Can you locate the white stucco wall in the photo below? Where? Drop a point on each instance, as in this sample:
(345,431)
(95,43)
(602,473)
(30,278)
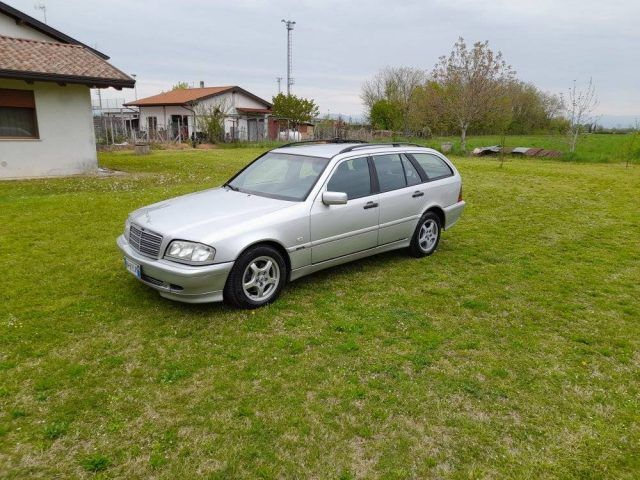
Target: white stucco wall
(233,101)
(163,114)
(65,125)
(242,101)
(10,28)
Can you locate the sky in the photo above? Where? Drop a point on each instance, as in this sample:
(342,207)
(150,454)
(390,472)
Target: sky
(337,45)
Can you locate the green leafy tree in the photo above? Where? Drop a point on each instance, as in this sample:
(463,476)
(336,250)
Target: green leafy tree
(426,114)
(386,115)
(533,110)
(296,109)
(474,85)
(210,120)
(396,85)
(180,86)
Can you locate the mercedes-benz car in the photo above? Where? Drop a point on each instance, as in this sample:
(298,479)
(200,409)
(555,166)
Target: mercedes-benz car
(293,211)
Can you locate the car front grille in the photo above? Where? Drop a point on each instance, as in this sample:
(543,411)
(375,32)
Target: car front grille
(144,241)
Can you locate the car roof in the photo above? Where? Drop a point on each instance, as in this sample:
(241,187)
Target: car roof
(329,150)
(326,150)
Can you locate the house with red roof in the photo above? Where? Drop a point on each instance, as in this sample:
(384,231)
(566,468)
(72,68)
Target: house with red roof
(46,123)
(174,115)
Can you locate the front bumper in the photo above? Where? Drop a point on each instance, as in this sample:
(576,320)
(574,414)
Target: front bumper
(184,283)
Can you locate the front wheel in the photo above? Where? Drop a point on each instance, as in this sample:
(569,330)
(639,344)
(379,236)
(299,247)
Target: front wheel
(256,278)
(426,236)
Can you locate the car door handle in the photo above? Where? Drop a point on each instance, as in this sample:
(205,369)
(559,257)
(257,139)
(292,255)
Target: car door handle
(417,193)
(370,205)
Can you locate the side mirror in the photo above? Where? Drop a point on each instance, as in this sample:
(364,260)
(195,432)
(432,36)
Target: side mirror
(334,198)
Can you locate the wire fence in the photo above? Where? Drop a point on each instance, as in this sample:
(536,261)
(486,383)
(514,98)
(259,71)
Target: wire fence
(116,124)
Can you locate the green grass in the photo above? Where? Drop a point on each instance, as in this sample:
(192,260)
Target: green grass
(512,352)
(593,148)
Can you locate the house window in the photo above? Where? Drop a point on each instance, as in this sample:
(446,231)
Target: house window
(17,114)
(152,124)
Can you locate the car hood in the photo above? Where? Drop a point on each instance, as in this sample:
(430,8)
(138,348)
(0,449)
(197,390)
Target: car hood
(197,215)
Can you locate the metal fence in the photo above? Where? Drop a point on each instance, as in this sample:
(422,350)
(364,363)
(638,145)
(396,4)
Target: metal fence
(115,124)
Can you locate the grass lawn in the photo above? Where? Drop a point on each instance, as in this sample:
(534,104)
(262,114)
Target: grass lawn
(514,351)
(592,148)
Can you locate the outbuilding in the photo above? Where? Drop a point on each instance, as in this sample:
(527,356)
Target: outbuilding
(46,123)
(171,116)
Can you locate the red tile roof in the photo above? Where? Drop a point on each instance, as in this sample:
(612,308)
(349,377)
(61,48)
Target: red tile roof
(180,96)
(57,62)
(56,35)
(186,95)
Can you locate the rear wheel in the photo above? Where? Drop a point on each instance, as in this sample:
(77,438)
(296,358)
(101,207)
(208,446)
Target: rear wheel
(256,278)
(426,236)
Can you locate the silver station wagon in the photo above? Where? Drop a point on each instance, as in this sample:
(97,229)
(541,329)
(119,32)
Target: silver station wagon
(293,211)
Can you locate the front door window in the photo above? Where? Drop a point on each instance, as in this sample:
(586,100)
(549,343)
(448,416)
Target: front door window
(351,177)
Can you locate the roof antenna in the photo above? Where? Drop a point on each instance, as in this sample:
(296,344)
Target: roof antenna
(43,7)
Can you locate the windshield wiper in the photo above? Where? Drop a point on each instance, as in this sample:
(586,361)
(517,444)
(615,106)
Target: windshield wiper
(231,187)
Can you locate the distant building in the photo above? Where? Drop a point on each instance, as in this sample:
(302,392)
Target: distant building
(46,125)
(284,129)
(172,115)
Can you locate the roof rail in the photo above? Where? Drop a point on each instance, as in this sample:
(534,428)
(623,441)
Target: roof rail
(330,140)
(367,145)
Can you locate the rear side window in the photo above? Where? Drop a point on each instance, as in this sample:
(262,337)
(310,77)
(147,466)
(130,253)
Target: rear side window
(433,166)
(390,172)
(351,177)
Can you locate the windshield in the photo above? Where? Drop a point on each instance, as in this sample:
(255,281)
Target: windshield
(280,175)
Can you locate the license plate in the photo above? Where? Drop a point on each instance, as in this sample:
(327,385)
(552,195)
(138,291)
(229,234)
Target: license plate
(133,267)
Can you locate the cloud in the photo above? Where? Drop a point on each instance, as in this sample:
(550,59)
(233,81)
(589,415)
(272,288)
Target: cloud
(337,45)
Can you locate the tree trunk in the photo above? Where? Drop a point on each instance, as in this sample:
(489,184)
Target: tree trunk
(463,138)
(574,140)
(405,123)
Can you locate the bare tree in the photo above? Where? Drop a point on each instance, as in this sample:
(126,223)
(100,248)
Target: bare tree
(397,85)
(474,85)
(578,107)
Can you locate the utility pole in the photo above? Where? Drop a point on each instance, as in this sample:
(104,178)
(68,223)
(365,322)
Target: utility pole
(135,85)
(289,24)
(279,80)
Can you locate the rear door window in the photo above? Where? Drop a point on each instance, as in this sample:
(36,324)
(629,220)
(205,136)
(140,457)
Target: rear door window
(390,172)
(410,172)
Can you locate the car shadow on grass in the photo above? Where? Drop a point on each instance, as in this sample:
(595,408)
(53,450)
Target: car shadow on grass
(396,259)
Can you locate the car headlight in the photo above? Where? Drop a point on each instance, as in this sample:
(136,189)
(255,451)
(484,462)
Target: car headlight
(127,226)
(190,253)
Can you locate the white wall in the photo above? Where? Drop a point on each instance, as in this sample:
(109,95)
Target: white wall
(242,101)
(65,124)
(231,101)
(163,114)
(10,28)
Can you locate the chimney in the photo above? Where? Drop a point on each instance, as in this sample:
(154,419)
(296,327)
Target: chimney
(201,83)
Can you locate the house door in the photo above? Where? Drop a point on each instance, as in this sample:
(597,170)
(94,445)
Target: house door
(180,127)
(252,129)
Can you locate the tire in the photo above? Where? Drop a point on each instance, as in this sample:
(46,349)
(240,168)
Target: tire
(428,243)
(264,270)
